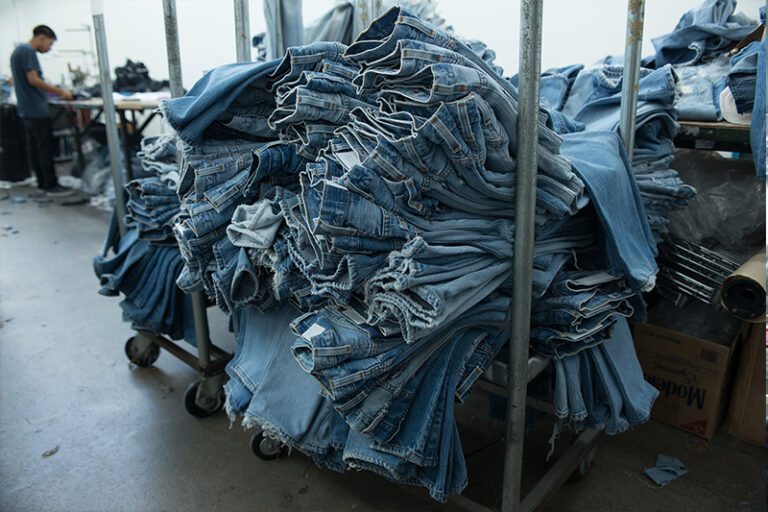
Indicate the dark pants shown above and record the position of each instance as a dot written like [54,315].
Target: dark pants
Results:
[40,150]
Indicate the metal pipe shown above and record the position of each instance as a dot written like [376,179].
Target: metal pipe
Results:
[125,139]
[525,203]
[199,313]
[172,48]
[242,31]
[113,140]
[200,316]
[630,81]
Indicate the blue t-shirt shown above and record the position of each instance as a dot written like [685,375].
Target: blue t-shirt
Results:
[32,102]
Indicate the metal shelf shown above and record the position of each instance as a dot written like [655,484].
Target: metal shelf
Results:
[721,136]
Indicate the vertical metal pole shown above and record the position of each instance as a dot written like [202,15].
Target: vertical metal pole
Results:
[113,140]
[200,316]
[242,31]
[525,203]
[172,48]
[630,81]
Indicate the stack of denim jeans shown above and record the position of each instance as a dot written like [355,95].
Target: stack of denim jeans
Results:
[704,34]
[362,237]
[340,23]
[603,386]
[742,77]
[700,87]
[314,95]
[151,209]
[577,312]
[152,202]
[217,177]
[595,100]
[710,28]
[145,274]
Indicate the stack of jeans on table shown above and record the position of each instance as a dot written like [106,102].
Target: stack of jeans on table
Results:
[697,48]
[702,38]
[742,76]
[362,239]
[708,29]
[152,201]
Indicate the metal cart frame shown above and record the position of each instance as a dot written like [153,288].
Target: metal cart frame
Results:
[205,396]
[508,379]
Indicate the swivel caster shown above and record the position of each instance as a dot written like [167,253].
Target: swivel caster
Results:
[141,356]
[265,447]
[202,406]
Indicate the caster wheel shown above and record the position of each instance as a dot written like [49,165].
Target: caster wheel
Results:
[209,406]
[143,359]
[266,448]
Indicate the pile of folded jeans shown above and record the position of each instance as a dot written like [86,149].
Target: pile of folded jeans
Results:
[742,76]
[577,99]
[595,100]
[145,274]
[701,48]
[341,23]
[151,208]
[577,310]
[712,73]
[152,201]
[603,387]
[706,30]
[362,233]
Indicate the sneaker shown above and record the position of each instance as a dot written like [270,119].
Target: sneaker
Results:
[58,191]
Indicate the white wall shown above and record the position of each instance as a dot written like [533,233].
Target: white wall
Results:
[575,31]
[134,30]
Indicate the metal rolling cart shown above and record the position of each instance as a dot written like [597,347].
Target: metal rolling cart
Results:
[204,396]
[505,378]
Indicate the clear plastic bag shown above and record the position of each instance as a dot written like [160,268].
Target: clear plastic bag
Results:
[729,207]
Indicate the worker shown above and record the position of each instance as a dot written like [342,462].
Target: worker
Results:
[32,107]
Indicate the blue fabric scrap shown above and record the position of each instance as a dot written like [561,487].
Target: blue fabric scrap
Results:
[666,470]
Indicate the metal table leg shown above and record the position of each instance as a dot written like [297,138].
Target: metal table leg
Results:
[72,119]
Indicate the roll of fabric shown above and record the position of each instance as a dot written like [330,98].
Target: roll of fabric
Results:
[728,108]
[743,293]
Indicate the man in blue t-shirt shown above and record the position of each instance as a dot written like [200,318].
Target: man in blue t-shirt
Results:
[33,107]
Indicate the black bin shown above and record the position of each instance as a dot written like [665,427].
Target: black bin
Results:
[13,155]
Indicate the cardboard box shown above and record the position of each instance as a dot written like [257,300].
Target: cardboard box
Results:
[691,374]
[746,413]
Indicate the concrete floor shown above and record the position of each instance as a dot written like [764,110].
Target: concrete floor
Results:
[81,430]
